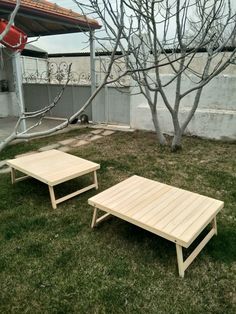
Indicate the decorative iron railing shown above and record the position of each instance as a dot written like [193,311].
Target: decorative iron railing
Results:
[57,74]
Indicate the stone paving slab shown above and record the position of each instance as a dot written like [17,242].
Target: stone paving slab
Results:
[69,141]
[96,132]
[107,132]
[95,137]
[80,143]
[64,149]
[85,136]
[52,146]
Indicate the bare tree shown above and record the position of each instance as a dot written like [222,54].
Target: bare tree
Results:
[153,35]
[29,133]
[168,33]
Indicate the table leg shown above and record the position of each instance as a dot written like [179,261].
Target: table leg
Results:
[95,179]
[183,265]
[14,179]
[94,219]
[13,175]
[52,196]
[214,225]
[179,251]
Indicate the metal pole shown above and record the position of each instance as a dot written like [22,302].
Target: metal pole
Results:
[92,69]
[17,74]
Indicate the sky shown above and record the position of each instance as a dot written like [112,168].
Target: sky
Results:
[76,42]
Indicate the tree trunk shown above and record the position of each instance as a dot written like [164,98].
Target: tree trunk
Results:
[161,138]
[176,142]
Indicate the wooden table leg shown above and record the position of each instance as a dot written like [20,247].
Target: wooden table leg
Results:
[94,219]
[13,175]
[14,179]
[179,251]
[95,179]
[183,265]
[52,196]
[214,225]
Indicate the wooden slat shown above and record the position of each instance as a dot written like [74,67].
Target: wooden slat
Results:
[56,171]
[147,201]
[162,208]
[122,195]
[180,213]
[116,191]
[53,167]
[158,203]
[200,223]
[130,200]
[69,174]
[112,190]
[205,209]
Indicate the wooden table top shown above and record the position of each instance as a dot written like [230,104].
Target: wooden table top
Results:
[175,214]
[53,167]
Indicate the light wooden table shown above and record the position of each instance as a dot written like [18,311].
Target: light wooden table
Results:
[52,168]
[172,213]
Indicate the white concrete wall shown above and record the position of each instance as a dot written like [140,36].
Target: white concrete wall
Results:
[81,68]
[34,70]
[30,67]
[215,117]
[8,105]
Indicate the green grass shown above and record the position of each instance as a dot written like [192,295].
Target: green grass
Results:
[52,262]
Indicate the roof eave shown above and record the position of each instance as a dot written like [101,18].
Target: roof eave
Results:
[86,25]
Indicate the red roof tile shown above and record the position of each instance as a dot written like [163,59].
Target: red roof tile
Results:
[54,9]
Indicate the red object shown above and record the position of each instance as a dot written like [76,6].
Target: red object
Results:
[15,39]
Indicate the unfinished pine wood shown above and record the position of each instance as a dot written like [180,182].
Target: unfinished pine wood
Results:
[180,260]
[198,249]
[52,168]
[13,175]
[174,214]
[15,179]
[52,196]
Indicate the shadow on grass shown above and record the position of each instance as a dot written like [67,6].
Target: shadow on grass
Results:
[137,240]
[223,247]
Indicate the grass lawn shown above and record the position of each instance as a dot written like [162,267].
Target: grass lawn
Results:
[52,262]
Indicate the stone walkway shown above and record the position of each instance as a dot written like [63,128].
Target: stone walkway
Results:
[65,145]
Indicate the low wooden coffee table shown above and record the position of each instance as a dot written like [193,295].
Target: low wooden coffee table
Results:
[52,168]
[172,213]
